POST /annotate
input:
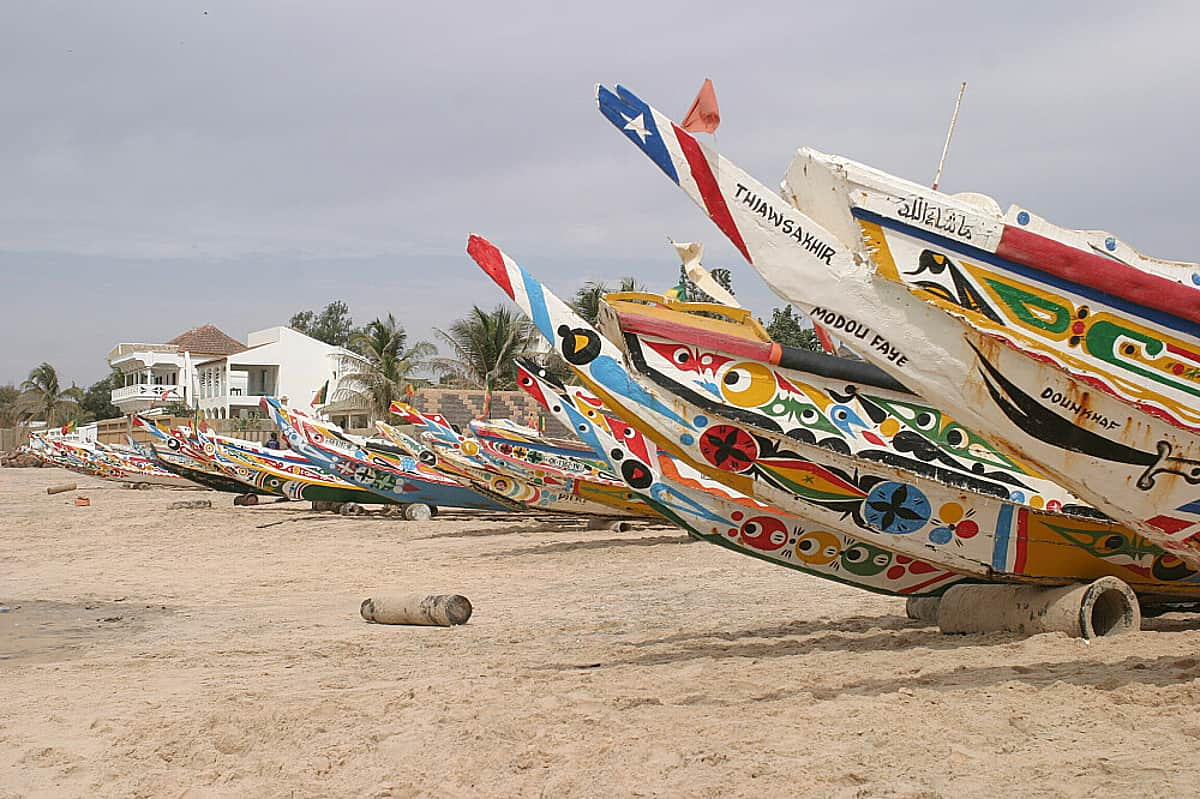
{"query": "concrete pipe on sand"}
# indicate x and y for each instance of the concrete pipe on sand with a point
(1102, 608)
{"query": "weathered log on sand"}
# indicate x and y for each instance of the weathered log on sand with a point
(60, 488)
(441, 610)
(1105, 607)
(190, 504)
(245, 499)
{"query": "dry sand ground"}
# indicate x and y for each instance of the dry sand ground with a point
(149, 652)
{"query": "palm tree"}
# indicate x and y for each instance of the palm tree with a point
(381, 364)
(484, 345)
(587, 300)
(43, 396)
(10, 412)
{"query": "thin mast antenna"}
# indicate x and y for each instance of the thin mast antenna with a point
(949, 135)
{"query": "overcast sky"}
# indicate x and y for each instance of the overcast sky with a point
(167, 164)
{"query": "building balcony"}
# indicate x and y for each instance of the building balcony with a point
(146, 394)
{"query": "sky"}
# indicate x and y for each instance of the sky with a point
(169, 164)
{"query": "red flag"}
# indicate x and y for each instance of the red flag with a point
(704, 116)
(824, 338)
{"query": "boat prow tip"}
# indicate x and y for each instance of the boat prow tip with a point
(491, 261)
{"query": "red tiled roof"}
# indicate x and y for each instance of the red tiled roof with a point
(207, 340)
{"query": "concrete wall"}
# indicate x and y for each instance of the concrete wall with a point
(460, 407)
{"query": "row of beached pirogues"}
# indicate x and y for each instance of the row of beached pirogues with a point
(498, 465)
(1025, 410)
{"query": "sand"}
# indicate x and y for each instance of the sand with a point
(193, 653)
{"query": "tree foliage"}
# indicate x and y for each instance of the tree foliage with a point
(484, 345)
(787, 328)
(44, 399)
(382, 363)
(586, 302)
(333, 324)
(97, 400)
(10, 410)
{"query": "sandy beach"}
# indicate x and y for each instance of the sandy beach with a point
(190, 653)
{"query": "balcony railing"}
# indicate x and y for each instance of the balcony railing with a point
(145, 392)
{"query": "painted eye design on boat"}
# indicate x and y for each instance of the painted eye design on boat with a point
(808, 416)
(579, 345)
(865, 560)
(636, 474)
(925, 420)
(817, 548)
(681, 357)
(764, 533)
(748, 385)
(956, 437)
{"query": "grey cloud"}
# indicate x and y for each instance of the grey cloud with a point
(148, 142)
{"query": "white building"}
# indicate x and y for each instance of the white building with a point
(211, 370)
(160, 374)
(277, 362)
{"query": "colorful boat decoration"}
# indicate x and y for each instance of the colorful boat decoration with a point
(1124, 323)
(530, 445)
(1136, 467)
(106, 462)
(975, 533)
(282, 471)
(172, 452)
(710, 511)
(733, 368)
(537, 485)
(398, 478)
(407, 445)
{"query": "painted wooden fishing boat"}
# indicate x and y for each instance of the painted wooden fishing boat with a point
(171, 453)
(284, 471)
(710, 511)
(1083, 300)
(67, 458)
(113, 463)
(528, 444)
(723, 361)
(184, 442)
(395, 477)
(952, 524)
(538, 486)
(428, 457)
(1136, 467)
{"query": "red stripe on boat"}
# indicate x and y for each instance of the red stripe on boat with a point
(1088, 269)
(705, 339)
(490, 260)
(714, 201)
(927, 583)
(1182, 353)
